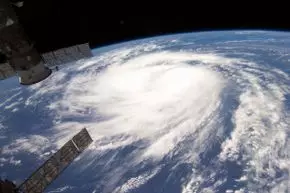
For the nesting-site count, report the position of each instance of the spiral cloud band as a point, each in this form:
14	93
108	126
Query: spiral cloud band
180	119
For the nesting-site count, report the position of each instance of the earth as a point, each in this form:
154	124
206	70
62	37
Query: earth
195	112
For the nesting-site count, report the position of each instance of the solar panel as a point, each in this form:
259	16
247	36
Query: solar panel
67	55
49	171
82	140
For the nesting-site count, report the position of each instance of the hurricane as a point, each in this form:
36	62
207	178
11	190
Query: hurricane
170	114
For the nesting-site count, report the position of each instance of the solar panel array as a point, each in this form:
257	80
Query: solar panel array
67	55
49	171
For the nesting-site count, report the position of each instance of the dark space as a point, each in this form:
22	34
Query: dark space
53	24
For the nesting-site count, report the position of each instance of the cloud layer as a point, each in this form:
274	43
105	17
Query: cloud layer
202	119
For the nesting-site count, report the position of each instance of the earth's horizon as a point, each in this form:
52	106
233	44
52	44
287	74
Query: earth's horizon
191	112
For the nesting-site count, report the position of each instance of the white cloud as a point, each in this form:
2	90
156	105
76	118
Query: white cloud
260	133
240	191
174	108
10	98
12	105
118	100
136	182
14	162
129	93
10	160
15	110
1	126
62	189
2	159
35	144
